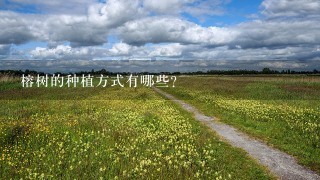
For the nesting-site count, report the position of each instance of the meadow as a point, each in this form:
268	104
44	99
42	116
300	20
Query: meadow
111	133
283	111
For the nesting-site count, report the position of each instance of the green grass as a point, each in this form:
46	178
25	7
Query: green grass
110	133
282	111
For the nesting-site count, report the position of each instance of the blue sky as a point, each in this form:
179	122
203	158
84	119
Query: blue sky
162	30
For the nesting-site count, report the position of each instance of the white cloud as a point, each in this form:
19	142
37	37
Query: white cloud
168	29
289	8
19	29
196	8
80	30
121	49
169	50
284	53
283	65
14	29
166	6
289	29
77	30
61	52
277	33
115	12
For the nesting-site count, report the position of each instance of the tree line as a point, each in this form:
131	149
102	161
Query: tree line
210	72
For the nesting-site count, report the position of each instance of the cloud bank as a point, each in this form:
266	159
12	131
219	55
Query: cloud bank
150	29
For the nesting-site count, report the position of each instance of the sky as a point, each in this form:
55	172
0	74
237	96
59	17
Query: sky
215	30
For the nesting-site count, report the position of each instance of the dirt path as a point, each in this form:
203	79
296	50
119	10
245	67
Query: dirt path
279	163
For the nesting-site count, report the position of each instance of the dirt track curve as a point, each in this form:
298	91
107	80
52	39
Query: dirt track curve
281	164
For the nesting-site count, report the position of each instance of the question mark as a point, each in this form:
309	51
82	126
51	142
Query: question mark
175	78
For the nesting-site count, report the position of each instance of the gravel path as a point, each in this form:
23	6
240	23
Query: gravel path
279	163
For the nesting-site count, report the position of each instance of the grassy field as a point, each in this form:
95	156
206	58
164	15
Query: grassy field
110	133
283	111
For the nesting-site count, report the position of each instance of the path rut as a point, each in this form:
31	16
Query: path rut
279	163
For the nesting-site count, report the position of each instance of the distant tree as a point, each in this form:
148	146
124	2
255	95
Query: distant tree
103	71
266	71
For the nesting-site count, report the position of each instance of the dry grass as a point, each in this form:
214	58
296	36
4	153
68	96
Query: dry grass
6	78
